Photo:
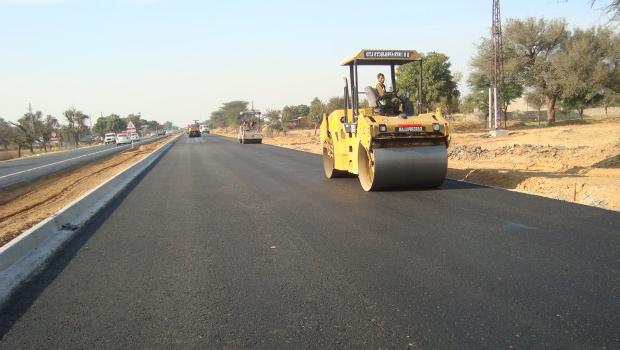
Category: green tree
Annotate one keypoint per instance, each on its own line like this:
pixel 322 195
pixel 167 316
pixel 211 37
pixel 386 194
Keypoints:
pixel 50 125
pixel 537 101
pixel 7 133
pixel 29 129
pixel 483 63
pixel 136 119
pixel 218 119
pixel 438 85
pixel 100 127
pixel 292 113
pixel 316 111
pixel 273 119
pixel 610 98
pixel 229 114
pixel 478 99
pixel 334 103
pixel 582 68
pixel 76 121
pixel 530 46
pixel 152 125
pixel 114 123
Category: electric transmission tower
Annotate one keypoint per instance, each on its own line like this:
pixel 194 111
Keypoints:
pixel 497 82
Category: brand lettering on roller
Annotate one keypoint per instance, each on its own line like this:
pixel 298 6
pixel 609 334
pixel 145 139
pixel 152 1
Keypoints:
pixel 387 54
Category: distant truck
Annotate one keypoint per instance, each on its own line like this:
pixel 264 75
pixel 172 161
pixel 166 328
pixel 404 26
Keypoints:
pixel 204 129
pixel 193 130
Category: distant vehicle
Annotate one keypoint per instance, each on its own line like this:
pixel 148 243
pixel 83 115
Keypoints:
pixel 161 132
pixel 193 130
pixel 134 137
pixel 249 131
pixel 109 138
pixel 204 129
pixel 249 135
pixel 122 139
pixel 86 137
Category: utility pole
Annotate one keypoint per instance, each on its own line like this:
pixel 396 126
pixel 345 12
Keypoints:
pixel 31 117
pixel 497 82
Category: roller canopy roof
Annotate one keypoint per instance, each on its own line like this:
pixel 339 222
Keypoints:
pixel 383 57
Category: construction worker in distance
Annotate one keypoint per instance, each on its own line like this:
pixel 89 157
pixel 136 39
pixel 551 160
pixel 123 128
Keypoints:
pixel 389 98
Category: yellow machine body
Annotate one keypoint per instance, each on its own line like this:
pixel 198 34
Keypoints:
pixel 385 146
pixel 351 144
pixel 345 145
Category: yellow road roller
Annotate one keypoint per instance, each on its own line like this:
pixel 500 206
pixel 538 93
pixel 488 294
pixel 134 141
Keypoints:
pixel 386 144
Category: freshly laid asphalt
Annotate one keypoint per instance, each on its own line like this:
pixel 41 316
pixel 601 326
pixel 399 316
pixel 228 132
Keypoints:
pixel 227 246
pixel 23 171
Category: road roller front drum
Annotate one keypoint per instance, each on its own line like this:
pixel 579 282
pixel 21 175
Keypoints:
pixel 402 167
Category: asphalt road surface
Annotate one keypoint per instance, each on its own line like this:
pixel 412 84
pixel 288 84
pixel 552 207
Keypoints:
pixel 222 245
pixel 15 173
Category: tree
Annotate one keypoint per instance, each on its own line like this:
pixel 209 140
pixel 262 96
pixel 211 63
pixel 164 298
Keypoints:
pixel 273 118
pixel 478 98
pixel 168 125
pixel 611 8
pixel 537 101
pixel 483 63
pixel 76 120
pixel 439 89
pixel 151 125
pixel 7 133
pixel 316 111
pixel 50 125
pixel 229 114
pixel 29 128
pixel 334 103
pixel 610 98
pixel 582 69
pixel 136 119
pixel 115 124
pixel 100 127
pixel 530 46
pixel 292 113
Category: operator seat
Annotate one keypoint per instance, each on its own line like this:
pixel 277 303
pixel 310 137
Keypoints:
pixel 373 100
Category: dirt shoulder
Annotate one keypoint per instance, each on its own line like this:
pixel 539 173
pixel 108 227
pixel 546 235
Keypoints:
pixel 578 162
pixel 51 195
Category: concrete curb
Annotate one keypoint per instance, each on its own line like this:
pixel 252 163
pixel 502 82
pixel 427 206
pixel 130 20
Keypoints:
pixel 29 252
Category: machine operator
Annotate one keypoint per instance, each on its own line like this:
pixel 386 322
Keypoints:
pixel 389 98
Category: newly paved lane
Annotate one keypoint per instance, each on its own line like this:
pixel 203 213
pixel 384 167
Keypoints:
pixel 222 245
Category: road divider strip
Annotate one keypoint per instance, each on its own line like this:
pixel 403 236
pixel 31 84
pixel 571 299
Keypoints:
pixel 29 253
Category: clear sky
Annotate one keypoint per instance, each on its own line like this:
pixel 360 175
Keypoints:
pixel 179 60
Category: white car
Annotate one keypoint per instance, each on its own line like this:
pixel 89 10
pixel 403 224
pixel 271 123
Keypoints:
pixel 134 137
pixel 109 138
pixel 122 139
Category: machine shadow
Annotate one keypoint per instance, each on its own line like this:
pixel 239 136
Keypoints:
pixel 447 185
pixel 22 299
